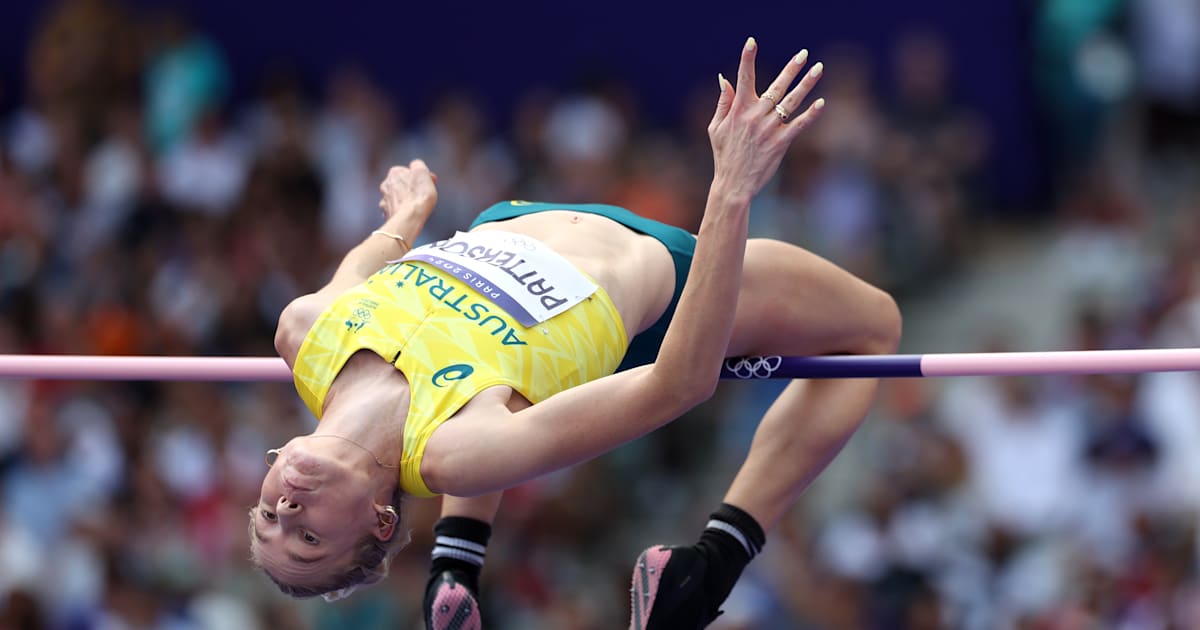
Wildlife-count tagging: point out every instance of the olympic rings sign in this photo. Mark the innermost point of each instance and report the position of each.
(753, 367)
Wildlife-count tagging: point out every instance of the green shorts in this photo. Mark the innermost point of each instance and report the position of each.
(680, 243)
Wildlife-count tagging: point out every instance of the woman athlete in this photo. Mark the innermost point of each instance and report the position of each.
(491, 358)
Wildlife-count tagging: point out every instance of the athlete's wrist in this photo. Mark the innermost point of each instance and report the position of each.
(407, 224)
(725, 193)
(399, 238)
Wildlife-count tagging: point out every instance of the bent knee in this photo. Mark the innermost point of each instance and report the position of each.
(884, 324)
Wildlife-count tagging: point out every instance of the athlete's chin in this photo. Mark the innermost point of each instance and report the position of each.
(306, 462)
(297, 483)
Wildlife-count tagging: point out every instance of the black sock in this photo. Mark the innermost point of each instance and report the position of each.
(460, 546)
(729, 542)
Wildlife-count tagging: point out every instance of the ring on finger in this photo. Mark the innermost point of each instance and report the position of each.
(770, 96)
(783, 113)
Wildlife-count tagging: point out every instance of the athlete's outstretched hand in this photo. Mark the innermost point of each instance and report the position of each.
(750, 133)
(409, 189)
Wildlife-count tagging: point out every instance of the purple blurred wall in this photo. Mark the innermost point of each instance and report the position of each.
(663, 50)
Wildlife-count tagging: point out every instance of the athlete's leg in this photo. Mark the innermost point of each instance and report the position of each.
(462, 533)
(792, 303)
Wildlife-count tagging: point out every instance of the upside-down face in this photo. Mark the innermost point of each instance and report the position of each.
(312, 512)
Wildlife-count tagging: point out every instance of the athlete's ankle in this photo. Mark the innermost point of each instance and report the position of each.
(684, 587)
(460, 547)
(730, 540)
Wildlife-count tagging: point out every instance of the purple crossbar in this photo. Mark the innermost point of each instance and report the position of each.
(822, 367)
(71, 367)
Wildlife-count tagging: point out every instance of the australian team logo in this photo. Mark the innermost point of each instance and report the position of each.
(456, 372)
(753, 367)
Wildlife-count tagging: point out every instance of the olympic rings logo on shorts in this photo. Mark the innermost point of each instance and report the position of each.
(753, 367)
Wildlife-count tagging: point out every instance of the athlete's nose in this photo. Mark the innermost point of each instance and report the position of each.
(286, 506)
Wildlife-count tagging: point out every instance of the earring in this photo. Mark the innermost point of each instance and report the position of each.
(389, 516)
(272, 456)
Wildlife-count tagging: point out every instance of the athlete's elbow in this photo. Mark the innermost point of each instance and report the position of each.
(700, 390)
(682, 391)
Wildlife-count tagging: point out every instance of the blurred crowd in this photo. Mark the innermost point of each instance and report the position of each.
(143, 210)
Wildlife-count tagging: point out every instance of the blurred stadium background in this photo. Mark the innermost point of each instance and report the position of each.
(1021, 174)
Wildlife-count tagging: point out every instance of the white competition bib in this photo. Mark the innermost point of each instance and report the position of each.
(518, 273)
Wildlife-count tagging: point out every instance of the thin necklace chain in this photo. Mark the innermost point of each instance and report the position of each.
(341, 437)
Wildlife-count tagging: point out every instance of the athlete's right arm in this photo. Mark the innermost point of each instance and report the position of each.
(409, 195)
(488, 448)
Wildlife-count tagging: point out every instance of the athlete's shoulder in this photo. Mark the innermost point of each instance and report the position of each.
(296, 319)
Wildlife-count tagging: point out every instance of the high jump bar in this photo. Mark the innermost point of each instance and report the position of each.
(151, 368)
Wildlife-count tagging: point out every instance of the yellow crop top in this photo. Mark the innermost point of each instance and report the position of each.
(451, 343)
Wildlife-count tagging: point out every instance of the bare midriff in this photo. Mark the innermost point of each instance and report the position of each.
(636, 270)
